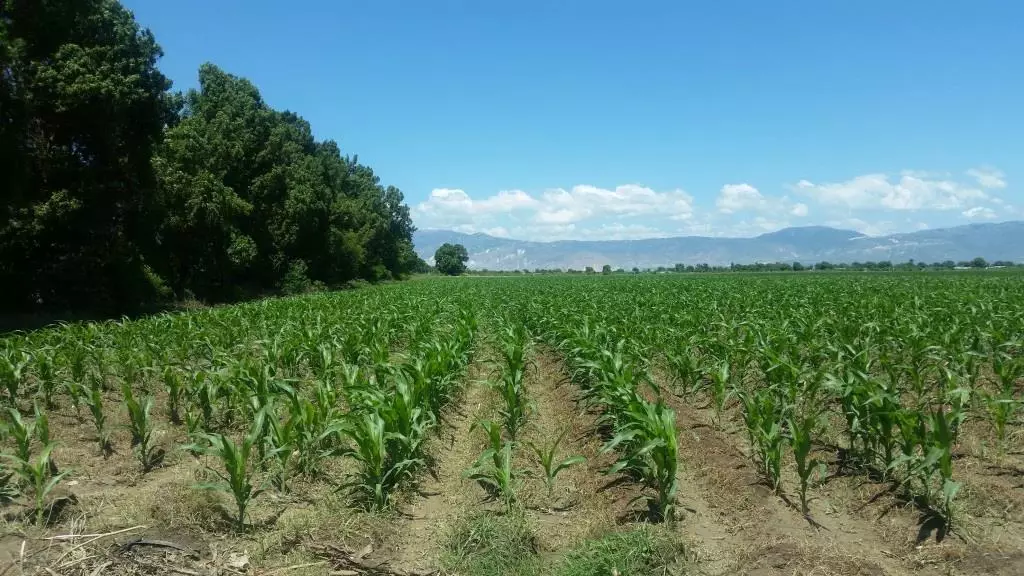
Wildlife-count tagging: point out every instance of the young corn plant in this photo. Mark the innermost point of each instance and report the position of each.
(802, 429)
(95, 402)
(13, 364)
(281, 441)
(8, 487)
(550, 465)
(172, 378)
(649, 449)
(684, 366)
(1003, 404)
(720, 390)
(512, 382)
(237, 471)
(493, 470)
(46, 373)
(763, 415)
(22, 433)
(77, 358)
(313, 427)
(141, 427)
(939, 457)
(379, 473)
(41, 424)
(194, 430)
(37, 473)
(205, 387)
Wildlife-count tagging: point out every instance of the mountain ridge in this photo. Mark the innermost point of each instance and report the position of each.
(804, 244)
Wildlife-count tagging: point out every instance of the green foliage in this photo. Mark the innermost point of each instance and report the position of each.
(237, 470)
(21, 432)
(122, 195)
(379, 471)
(451, 259)
(83, 107)
(642, 551)
(511, 385)
(492, 545)
(13, 365)
(300, 216)
(172, 378)
(649, 449)
(493, 469)
(802, 430)
(46, 373)
(37, 474)
(95, 402)
(548, 463)
(141, 426)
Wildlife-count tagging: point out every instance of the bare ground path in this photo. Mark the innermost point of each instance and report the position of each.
(443, 493)
(585, 502)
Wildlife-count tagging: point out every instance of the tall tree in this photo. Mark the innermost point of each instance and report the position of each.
(451, 259)
(254, 202)
(81, 106)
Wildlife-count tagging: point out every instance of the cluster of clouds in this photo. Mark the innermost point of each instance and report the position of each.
(870, 203)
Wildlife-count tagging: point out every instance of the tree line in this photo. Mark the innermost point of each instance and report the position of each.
(118, 193)
(976, 263)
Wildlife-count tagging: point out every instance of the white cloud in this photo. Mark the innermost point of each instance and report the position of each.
(873, 204)
(736, 197)
(453, 202)
(912, 191)
(980, 213)
(988, 177)
(554, 213)
(584, 201)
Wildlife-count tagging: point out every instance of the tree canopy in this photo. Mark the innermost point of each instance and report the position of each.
(119, 193)
(451, 259)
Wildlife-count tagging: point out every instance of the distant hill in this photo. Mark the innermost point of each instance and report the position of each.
(1002, 241)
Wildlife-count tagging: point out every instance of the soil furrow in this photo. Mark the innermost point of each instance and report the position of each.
(584, 503)
(442, 493)
(766, 535)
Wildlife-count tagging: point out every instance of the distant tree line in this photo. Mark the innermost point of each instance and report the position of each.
(118, 193)
(977, 263)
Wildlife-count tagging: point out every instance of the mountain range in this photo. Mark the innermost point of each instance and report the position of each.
(807, 245)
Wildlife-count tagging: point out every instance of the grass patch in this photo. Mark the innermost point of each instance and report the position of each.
(645, 550)
(492, 545)
(488, 544)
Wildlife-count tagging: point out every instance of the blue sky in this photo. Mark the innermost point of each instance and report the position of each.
(591, 119)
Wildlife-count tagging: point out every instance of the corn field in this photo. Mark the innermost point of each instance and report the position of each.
(908, 383)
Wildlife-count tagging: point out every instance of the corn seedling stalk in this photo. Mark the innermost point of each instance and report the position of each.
(549, 465)
(281, 438)
(379, 472)
(22, 432)
(511, 385)
(47, 375)
(141, 427)
(37, 474)
(13, 363)
(763, 416)
(493, 470)
(95, 402)
(801, 431)
(720, 387)
(236, 471)
(173, 385)
(650, 450)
